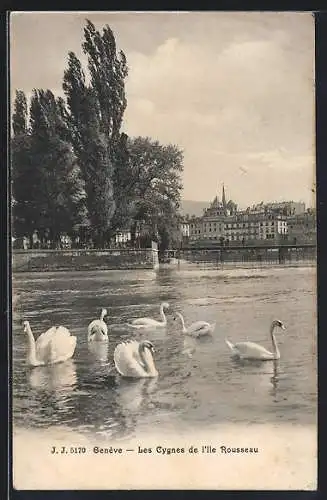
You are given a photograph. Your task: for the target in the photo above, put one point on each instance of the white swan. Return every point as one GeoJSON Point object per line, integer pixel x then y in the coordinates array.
{"type": "Point", "coordinates": [134, 359]}
{"type": "Point", "coordinates": [97, 329]}
{"type": "Point", "coordinates": [53, 346]}
{"type": "Point", "coordinates": [251, 350]}
{"type": "Point", "coordinates": [198, 328]}
{"type": "Point", "coordinates": [149, 322]}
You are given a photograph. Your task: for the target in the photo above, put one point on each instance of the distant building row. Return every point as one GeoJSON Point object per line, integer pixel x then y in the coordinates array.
{"type": "Point", "coordinates": [274, 222]}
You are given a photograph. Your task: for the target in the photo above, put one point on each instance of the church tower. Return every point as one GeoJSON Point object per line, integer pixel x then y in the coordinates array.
{"type": "Point", "coordinates": [224, 199]}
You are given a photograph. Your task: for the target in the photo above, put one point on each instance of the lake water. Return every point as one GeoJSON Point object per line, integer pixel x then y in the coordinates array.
{"type": "Point", "coordinates": [85, 393]}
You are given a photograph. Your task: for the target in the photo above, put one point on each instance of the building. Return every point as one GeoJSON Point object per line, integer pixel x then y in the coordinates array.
{"type": "Point", "coordinates": [185, 227]}
{"type": "Point", "coordinates": [302, 228]}
{"type": "Point", "coordinates": [249, 227]}
{"type": "Point", "coordinates": [287, 208]}
{"type": "Point", "coordinates": [195, 228]}
{"type": "Point", "coordinates": [122, 237]}
{"type": "Point", "coordinates": [273, 222]}
{"type": "Point", "coordinates": [222, 222]}
{"type": "Point", "coordinates": [211, 225]}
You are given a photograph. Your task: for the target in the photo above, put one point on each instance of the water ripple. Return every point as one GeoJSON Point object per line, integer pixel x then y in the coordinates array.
{"type": "Point", "coordinates": [206, 388]}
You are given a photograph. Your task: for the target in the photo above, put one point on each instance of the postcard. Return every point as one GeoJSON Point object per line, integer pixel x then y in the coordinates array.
{"type": "Point", "coordinates": [164, 310]}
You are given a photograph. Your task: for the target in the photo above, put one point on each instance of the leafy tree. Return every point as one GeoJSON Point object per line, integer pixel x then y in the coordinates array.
{"type": "Point", "coordinates": [124, 182]}
{"type": "Point", "coordinates": [58, 197]}
{"type": "Point", "coordinates": [108, 70]}
{"type": "Point", "coordinates": [19, 119]}
{"type": "Point", "coordinates": [23, 181]}
{"type": "Point", "coordinates": [95, 117]}
{"type": "Point", "coordinates": [155, 186]}
{"type": "Point", "coordinates": [24, 187]}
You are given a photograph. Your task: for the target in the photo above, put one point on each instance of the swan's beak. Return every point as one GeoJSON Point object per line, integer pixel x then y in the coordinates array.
{"type": "Point", "coordinates": [283, 327]}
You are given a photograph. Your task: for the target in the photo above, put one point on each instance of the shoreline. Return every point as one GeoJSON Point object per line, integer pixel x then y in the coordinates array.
{"type": "Point", "coordinates": [189, 266]}
{"type": "Point", "coordinates": [148, 259]}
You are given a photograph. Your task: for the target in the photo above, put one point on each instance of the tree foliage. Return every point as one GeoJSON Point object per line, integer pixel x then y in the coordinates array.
{"type": "Point", "coordinates": [73, 165]}
{"type": "Point", "coordinates": [47, 186]}
{"type": "Point", "coordinates": [95, 117]}
{"type": "Point", "coordinates": [19, 119]}
{"type": "Point", "coordinates": [155, 184]}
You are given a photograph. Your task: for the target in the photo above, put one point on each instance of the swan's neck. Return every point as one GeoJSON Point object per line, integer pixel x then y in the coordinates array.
{"type": "Point", "coordinates": [183, 322]}
{"type": "Point", "coordinates": [103, 314]}
{"type": "Point", "coordinates": [147, 360]}
{"type": "Point", "coordinates": [162, 314]}
{"type": "Point", "coordinates": [31, 353]}
{"type": "Point", "coordinates": [274, 342]}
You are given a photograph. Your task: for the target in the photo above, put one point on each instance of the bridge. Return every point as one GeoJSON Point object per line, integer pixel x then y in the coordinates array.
{"type": "Point", "coordinates": [272, 254]}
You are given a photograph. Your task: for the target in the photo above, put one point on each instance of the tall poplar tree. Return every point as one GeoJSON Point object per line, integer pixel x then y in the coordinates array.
{"type": "Point", "coordinates": [60, 194]}
{"type": "Point", "coordinates": [23, 178]}
{"type": "Point", "coordinates": [95, 116]}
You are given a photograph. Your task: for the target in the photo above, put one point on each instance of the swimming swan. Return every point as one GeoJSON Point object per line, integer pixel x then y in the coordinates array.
{"type": "Point", "coordinates": [250, 350]}
{"type": "Point", "coordinates": [97, 329]}
{"type": "Point", "coordinates": [134, 359]}
{"type": "Point", "coordinates": [198, 328]}
{"type": "Point", "coordinates": [53, 346]}
{"type": "Point", "coordinates": [149, 322]}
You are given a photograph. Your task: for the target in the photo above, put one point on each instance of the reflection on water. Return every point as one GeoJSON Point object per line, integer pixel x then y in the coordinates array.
{"type": "Point", "coordinates": [99, 351]}
{"type": "Point", "coordinates": [199, 384]}
{"type": "Point", "coordinates": [132, 394]}
{"type": "Point", "coordinates": [58, 376]}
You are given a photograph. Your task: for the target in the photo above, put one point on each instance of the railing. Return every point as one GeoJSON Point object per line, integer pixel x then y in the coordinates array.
{"type": "Point", "coordinates": [256, 255]}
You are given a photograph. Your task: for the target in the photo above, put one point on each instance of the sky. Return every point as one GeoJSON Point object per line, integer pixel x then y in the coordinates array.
{"type": "Point", "coordinates": [234, 90]}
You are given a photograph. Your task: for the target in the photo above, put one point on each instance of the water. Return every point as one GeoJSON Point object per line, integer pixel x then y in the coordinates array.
{"type": "Point", "coordinates": [191, 393]}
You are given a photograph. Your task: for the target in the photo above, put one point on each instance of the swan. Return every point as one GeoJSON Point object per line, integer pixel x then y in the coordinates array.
{"type": "Point", "coordinates": [134, 359]}
{"type": "Point", "coordinates": [196, 329]}
{"type": "Point", "coordinates": [149, 322]}
{"type": "Point", "coordinates": [97, 329]}
{"type": "Point", "coordinates": [53, 346]}
{"type": "Point", "coordinates": [251, 350]}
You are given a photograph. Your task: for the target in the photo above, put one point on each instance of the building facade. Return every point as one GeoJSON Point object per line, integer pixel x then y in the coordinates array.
{"type": "Point", "coordinates": [287, 208]}
{"type": "Point", "coordinates": [270, 223]}
{"type": "Point", "coordinates": [302, 228]}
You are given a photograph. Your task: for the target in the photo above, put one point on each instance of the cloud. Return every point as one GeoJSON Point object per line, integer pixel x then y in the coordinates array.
{"type": "Point", "coordinates": [252, 101]}
{"type": "Point", "coordinates": [250, 94]}
{"type": "Point", "coordinates": [232, 89]}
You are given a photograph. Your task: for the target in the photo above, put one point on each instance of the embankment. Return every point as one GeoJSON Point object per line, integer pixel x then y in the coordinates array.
{"type": "Point", "coordinates": [83, 260]}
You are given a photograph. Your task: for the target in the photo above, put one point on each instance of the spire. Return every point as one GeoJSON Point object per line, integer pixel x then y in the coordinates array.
{"type": "Point", "coordinates": [217, 199]}
{"type": "Point", "coordinates": [224, 197]}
